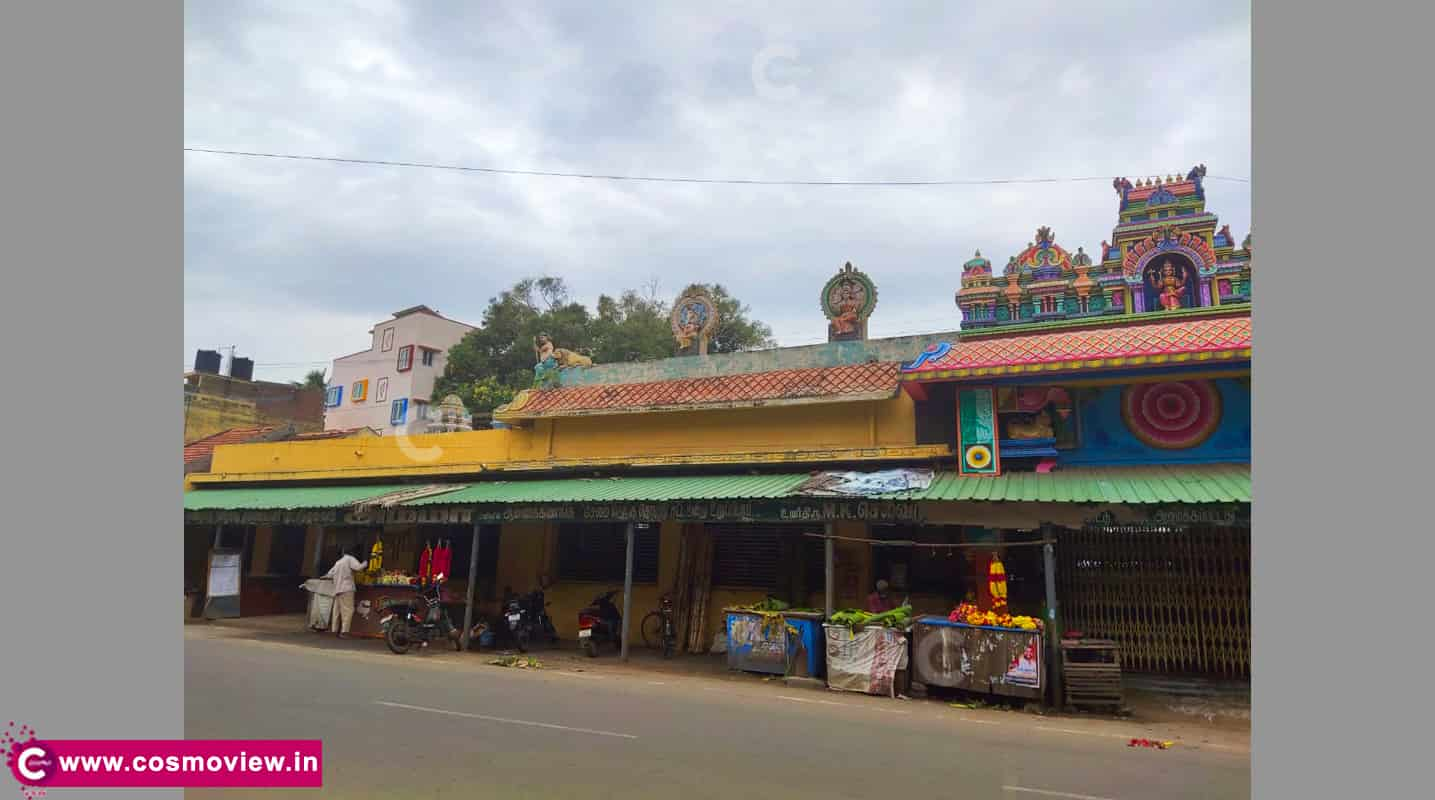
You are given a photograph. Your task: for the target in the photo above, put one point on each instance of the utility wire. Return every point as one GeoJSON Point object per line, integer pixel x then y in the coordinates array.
{"type": "Point", "coordinates": [659, 179]}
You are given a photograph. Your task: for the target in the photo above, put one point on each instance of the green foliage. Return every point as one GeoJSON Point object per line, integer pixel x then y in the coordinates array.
{"type": "Point", "coordinates": [495, 362]}
{"type": "Point", "coordinates": [314, 380]}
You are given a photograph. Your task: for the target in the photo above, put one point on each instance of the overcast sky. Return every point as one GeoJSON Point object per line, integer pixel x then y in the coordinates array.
{"type": "Point", "coordinates": [293, 261]}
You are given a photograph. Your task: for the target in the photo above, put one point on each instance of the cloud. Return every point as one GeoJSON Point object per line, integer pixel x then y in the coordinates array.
{"type": "Point", "coordinates": [293, 261]}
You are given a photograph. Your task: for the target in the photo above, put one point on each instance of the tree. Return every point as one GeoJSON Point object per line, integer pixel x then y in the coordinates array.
{"type": "Point", "coordinates": [495, 361]}
{"type": "Point", "coordinates": [314, 380]}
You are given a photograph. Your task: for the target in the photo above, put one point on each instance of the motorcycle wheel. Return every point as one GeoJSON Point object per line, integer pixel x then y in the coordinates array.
{"type": "Point", "coordinates": [523, 640]}
{"type": "Point", "coordinates": [668, 648]}
{"type": "Point", "coordinates": [397, 638]}
{"type": "Point", "coordinates": [589, 649]}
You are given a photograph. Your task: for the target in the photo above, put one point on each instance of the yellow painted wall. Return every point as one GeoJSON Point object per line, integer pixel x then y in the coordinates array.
{"type": "Point", "coordinates": [795, 427]}
{"type": "Point", "coordinates": [206, 415]}
{"type": "Point", "coordinates": [744, 435]}
{"type": "Point", "coordinates": [263, 540]}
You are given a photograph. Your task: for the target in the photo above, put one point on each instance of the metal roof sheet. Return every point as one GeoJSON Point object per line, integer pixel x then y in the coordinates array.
{"type": "Point", "coordinates": [281, 498]}
{"type": "Point", "coordinates": [1160, 483]}
{"type": "Point", "coordinates": [626, 489]}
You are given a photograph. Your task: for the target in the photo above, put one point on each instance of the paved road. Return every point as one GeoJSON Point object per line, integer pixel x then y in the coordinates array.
{"type": "Point", "coordinates": [431, 726]}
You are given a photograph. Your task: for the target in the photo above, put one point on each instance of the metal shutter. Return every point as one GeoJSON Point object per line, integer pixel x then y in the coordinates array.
{"type": "Point", "coordinates": [598, 552]}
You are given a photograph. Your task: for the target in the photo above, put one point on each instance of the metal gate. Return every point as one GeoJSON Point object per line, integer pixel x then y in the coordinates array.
{"type": "Point", "coordinates": [1178, 601]}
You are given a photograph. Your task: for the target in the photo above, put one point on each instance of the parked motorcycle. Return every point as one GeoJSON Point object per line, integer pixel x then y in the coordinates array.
{"type": "Point", "coordinates": [600, 622]}
{"type": "Point", "coordinates": [527, 618]}
{"type": "Point", "coordinates": [422, 620]}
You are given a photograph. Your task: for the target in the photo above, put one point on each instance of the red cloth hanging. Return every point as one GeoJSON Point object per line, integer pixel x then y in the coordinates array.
{"type": "Point", "coordinates": [443, 560]}
{"type": "Point", "coordinates": [426, 564]}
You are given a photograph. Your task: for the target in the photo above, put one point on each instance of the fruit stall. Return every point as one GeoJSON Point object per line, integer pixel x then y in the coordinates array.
{"type": "Point", "coordinates": [374, 593]}
{"type": "Point", "coordinates": [868, 652]}
{"type": "Point", "coordinates": [771, 638]}
{"type": "Point", "coordinates": [988, 651]}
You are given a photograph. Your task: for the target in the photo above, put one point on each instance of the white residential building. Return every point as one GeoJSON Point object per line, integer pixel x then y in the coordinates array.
{"type": "Point", "coordinates": [388, 386]}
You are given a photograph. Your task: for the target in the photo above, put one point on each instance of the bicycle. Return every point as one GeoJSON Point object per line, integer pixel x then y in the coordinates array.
{"type": "Point", "coordinates": [659, 630]}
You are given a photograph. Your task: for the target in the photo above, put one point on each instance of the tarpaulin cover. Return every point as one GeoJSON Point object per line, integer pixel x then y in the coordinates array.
{"type": "Point", "coordinates": [865, 660]}
{"type": "Point", "coordinates": [865, 484]}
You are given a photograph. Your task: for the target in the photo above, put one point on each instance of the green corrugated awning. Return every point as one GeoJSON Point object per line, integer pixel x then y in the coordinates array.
{"type": "Point", "coordinates": [1167, 483]}
{"type": "Point", "coordinates": [282, 498]}
{"type": "Point", "coordinates": [621, 490]}
{"type": "Point", "coordinates": [1163, 483]}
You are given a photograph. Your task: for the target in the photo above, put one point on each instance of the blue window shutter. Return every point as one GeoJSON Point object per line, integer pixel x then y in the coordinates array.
{"type": "Point", "coordinates": [399, 411]}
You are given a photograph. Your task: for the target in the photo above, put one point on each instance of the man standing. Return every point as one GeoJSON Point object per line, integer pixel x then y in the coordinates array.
{"type": "Point", "coordinates": [343, 575]}
{"type": "Point", "coordinates": [881, 600]}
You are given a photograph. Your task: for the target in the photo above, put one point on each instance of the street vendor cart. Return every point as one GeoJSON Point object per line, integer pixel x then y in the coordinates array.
{"type": "Point", "coordinates": [979, 658]}
{"type": "Point", "coordinates": [775, 642]}
{"type": "Point", "coordinates": [872, 659]}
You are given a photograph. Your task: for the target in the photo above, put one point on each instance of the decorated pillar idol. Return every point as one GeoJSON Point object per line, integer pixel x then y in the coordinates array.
{"type": "Point", "coordinates": [847, 301]}
{"type": "Point", "coordinates": [694, 321]}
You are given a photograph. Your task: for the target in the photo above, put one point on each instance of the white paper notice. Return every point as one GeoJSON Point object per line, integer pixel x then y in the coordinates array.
{"type": "Point", "coordinates": [224, 575]}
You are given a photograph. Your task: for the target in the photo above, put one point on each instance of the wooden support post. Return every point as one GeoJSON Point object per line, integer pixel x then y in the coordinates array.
{"type": "Point", "coordinates": [827, 570]}
{"type": "Point", "coordinates": [472, 584]}
{"type": "Point", "coordinates": [1053, 631]}
{"type": "Point", "coordinates": [319, 551]}
{"type": "Point", "coordinates": [628, 591]}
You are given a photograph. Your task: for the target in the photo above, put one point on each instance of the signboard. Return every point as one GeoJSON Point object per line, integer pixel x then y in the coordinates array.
{"type": "Point", "coordinates": [709, 511]}
{"type": "Point", "coordinates": [788, 510]}
{"type": "Point", "coordinates": [977, 432]}
{"type": "Point", "coordinates": [222, 595]}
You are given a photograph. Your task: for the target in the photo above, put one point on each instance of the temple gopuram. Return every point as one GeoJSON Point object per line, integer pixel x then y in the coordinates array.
{"type": "Point", "coordinates": [1085, 422]}
{"type": "Point", "coordinates": [1165, 254]}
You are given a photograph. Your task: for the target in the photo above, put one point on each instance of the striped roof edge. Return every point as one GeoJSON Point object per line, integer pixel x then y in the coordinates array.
{"type": "Point", "coordinates": [849, 382]}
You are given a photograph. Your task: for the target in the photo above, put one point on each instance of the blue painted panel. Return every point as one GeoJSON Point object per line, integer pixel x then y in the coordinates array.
{"type": "Point", "coordinates": [1105, 438]}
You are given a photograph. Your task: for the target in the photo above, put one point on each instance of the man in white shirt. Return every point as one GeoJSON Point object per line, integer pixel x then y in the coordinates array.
{"type": "Point", "coordinates": [343, 575]}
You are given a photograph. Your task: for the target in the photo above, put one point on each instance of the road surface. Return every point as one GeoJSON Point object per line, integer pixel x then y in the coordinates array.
{"type": "Point", "coordinates": [430, 725]}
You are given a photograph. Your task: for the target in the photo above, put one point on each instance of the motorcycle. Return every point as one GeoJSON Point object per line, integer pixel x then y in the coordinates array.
{"type": "Point", "coordinates": [527, 617]}
{"type": "Point", "coordinates": [600, 622]}
{"type": "Point", "coordinates": [422, 620]}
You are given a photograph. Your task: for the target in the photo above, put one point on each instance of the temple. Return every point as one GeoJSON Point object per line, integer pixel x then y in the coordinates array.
{"type": "Point", "coordinates": [1087, 418]}
{"type": "Point", "coordinates": [1165, 254]}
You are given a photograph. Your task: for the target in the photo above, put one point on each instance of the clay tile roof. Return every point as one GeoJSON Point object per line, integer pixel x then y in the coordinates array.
{"type": "Point", "coordinates": [203, 448]}
{"type": "Point", "coordinates": [788, 386]}
{"type": "Point", "coordinates": [1188, 341]}
{"type": "Point", "coordinates": [339, 433]}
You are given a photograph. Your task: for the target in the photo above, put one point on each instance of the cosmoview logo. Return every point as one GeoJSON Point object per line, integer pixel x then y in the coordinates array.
{"type": "Point", "coordinates": [35, 763]}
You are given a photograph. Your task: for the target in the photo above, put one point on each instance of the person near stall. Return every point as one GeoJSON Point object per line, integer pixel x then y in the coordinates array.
{"type": "Point", "coordinates": [342, 573]}
{"type": "Point", "coordinates": [881, 600]}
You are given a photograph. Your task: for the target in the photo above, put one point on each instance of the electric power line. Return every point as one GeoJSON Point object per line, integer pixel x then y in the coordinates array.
{"type": "Point", "coordinates": [661, 179]}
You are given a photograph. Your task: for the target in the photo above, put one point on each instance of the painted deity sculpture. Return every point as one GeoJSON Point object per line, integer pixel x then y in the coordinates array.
{"type": "Point", "coordinates": [849, 307]}
{"type": "Point", "coordinates": [694, 320]}
{"type": "Point", "coordinates": [1038, 428]}
{"type": "Point", "coordinates": [691, 319]}
{"type": "Point", "coordinates": [847, 301]}
{"type": "Point", "coordinates": [1170, 285]}
{"type": "Point", "coordinates": [551, 359]}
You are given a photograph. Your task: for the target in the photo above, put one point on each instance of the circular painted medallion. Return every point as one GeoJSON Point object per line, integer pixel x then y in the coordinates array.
{"type": "Point", "coordinates": [978, 456]}
{"type": "Point", "coordinates": [1172, 416]}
